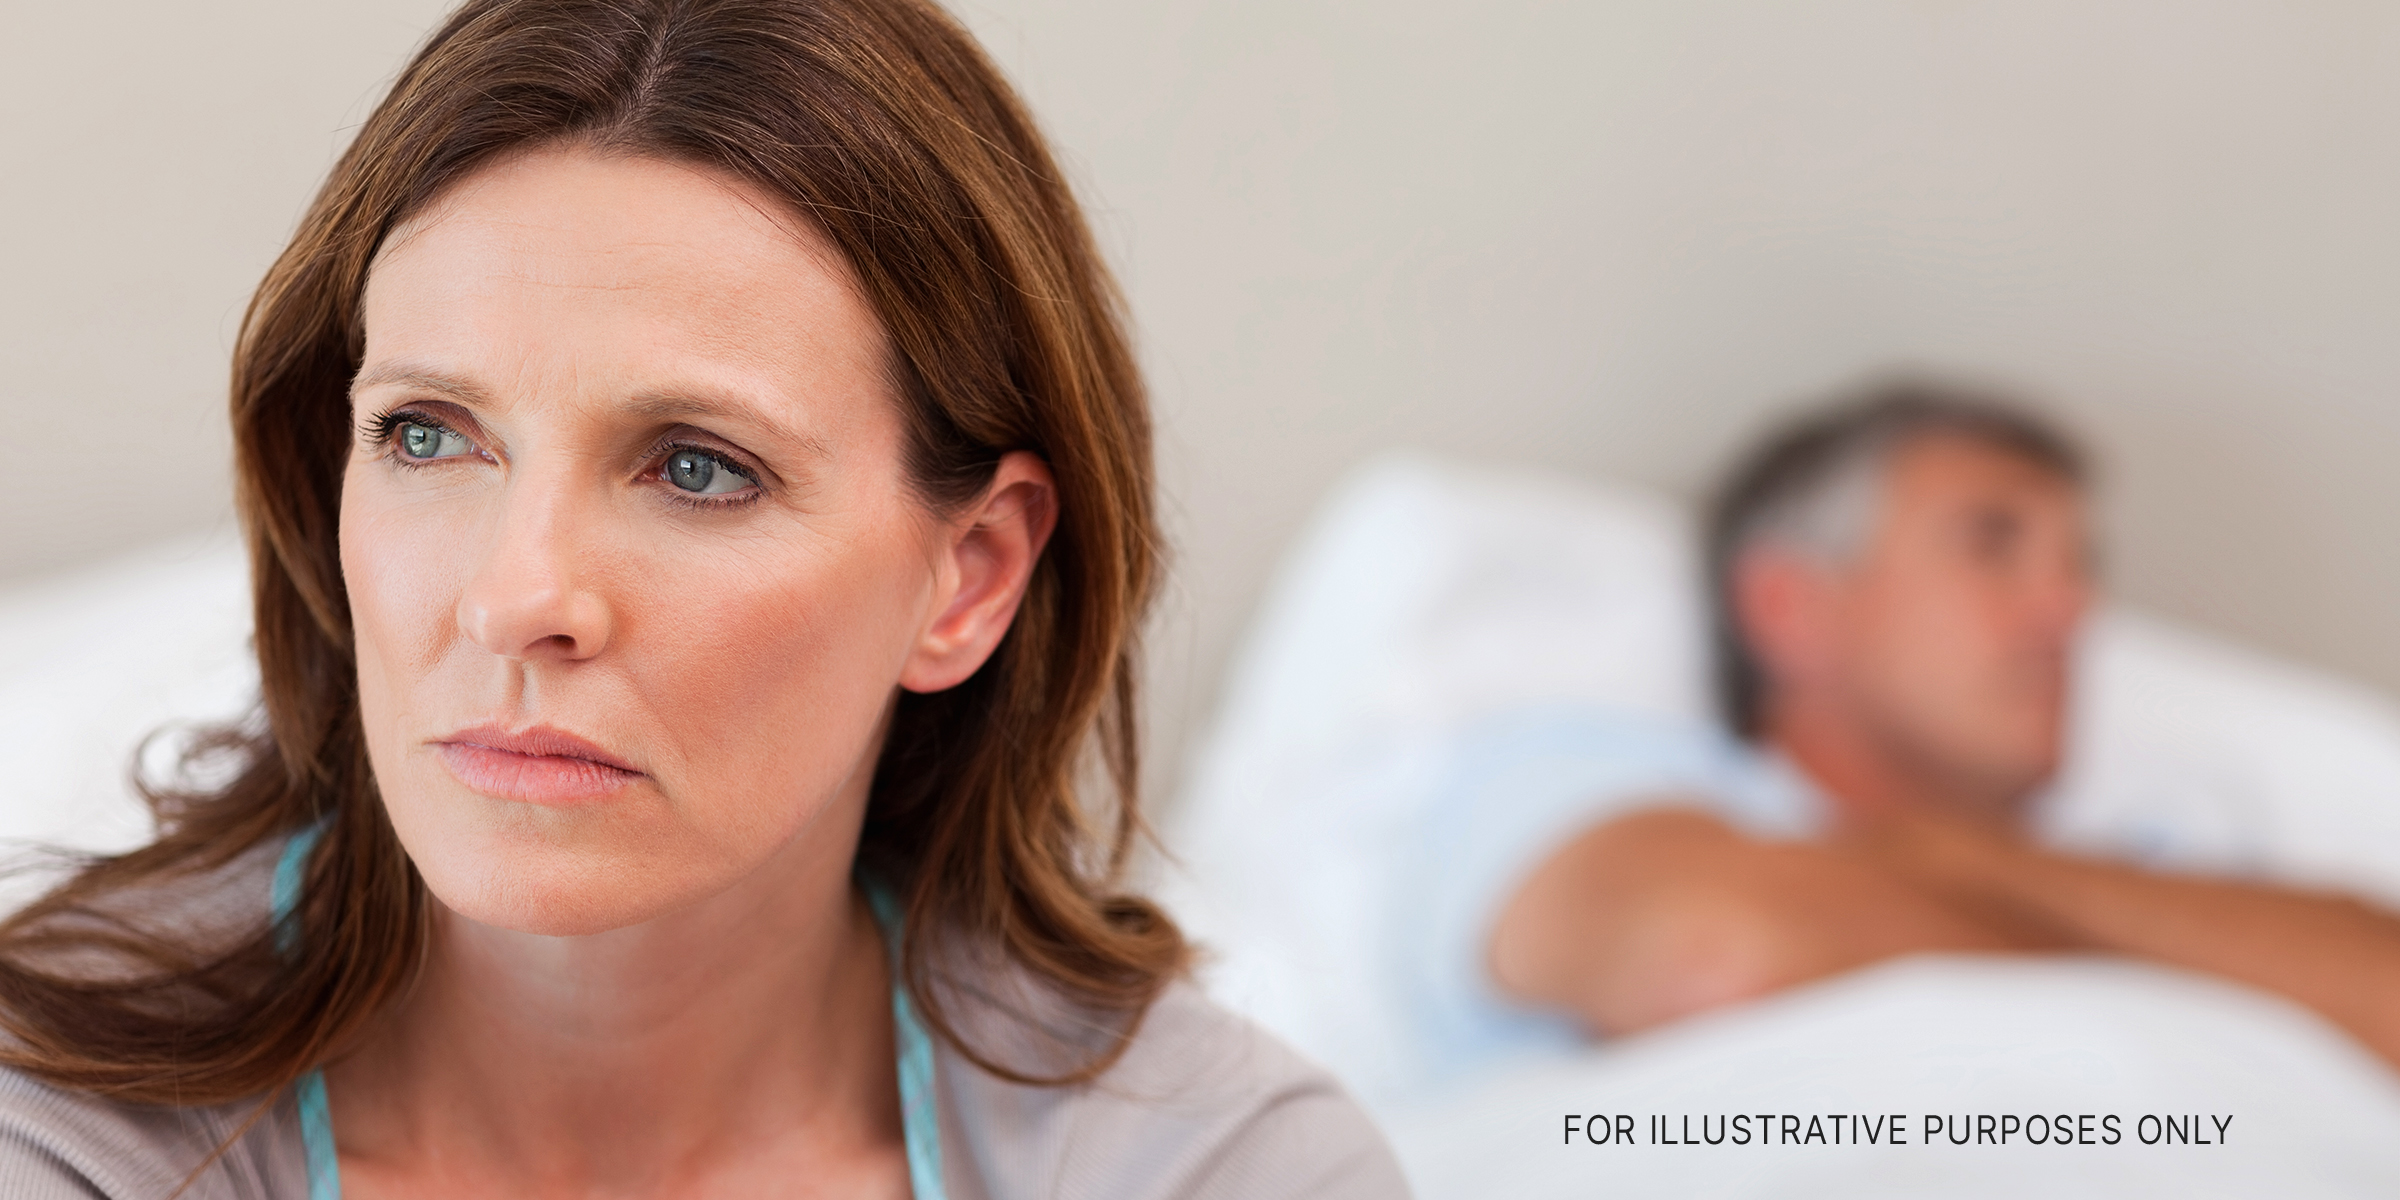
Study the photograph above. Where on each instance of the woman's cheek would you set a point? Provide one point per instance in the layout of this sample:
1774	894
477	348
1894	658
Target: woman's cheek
402	564
399	574
788	679
764	679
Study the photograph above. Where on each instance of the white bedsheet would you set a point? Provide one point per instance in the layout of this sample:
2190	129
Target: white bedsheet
2309	1117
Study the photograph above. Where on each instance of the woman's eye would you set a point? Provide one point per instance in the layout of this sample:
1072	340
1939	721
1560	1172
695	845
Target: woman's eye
430	441
703	474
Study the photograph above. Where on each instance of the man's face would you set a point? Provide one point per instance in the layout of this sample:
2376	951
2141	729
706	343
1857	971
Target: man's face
1948	640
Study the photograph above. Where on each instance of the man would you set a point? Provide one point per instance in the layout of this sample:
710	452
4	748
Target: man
1897	585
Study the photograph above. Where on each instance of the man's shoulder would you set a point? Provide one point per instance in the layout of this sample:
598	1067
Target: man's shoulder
56	1142
1202	1103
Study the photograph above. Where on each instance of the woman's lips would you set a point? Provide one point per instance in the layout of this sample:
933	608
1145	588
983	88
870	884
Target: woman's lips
538	765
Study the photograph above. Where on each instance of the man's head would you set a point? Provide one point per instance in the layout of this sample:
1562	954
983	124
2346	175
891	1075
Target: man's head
1896	583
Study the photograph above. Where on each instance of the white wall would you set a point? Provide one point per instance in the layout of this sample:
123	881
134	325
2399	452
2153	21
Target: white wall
1611	238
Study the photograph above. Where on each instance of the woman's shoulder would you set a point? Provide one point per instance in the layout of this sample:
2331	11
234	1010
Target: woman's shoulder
1202	1104
60	1143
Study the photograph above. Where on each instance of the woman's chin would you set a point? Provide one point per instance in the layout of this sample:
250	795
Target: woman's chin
567	913
550	916
563	893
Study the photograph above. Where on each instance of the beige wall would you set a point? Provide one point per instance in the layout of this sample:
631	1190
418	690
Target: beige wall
1605	237
153	157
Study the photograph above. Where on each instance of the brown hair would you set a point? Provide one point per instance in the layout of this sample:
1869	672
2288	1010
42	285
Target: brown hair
881	121
1797	464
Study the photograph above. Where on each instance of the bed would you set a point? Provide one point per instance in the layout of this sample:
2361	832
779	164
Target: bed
1428	595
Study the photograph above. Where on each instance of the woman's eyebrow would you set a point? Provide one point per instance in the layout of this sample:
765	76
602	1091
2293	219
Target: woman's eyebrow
421	379
664	406
680	406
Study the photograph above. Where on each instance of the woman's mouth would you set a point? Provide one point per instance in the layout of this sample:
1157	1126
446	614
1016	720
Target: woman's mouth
539	765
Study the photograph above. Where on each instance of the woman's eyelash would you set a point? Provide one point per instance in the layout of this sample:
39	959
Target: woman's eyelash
665	455
383	429
377	430
718	457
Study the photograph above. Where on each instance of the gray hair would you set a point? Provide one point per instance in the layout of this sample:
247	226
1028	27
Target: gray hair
1815	488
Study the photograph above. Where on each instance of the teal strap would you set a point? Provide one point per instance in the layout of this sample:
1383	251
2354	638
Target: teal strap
316	1137
316	1120
920	1122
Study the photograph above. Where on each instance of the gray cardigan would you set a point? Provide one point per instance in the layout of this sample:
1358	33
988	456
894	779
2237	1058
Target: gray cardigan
1203	1106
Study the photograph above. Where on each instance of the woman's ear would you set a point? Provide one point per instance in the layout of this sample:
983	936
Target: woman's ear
984	559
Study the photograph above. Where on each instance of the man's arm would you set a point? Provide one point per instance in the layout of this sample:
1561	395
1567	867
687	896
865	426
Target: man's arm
1666	912
2330	952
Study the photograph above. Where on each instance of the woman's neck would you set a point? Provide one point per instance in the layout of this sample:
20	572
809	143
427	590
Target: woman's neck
750	1033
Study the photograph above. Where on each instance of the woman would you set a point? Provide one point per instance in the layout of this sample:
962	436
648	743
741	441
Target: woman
700	499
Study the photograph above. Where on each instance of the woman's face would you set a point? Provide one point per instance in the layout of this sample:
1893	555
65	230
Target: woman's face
634	568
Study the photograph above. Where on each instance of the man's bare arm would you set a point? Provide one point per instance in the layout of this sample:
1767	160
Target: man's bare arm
2330	952
1667	912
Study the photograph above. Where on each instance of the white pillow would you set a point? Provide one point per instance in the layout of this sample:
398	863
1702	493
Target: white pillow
2265	767
99	658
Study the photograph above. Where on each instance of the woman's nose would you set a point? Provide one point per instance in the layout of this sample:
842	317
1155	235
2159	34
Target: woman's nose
531	596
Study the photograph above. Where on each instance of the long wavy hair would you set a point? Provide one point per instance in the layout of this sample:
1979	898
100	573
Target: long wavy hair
881	121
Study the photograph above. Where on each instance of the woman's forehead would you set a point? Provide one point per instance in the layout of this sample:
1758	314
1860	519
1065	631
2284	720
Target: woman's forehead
615	197
570	261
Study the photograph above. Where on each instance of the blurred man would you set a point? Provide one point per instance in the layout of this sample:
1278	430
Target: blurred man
1897	586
